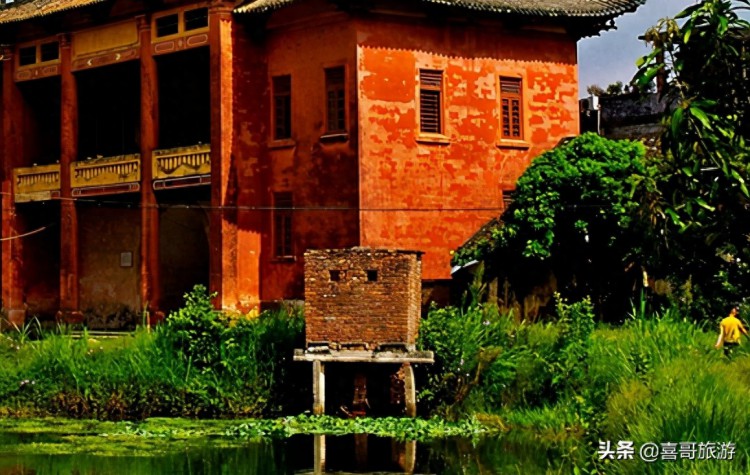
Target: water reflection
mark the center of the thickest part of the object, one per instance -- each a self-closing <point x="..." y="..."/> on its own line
<point x="297" y="455"/>
<point x="385" y="455"/>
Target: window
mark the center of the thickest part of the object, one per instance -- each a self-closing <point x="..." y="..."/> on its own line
<point x="282" y="225"/>
<point x="195" y="19"/>
<point x="430" y="92"/>
<point x="167" y="25"/>
<point x="372" y="276"/>
<point x="27" y="56"/>
<point x="508" y="197"/>
<point x="335" y="100"/>
<point x="282" y="107"/>
<point x="335" y="275"/>
<point x="50" y="51"/>
<point x="511" y="108"/>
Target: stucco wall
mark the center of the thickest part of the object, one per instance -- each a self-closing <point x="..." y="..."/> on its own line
<point x="106" y="287"/>
<point x="433" y="195"/>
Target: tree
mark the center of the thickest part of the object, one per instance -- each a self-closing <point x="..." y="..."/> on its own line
<point x="595" y="90"/>
<point x="615" y="88"/>
<point x="573" y="215"/>
<point x="699" y="201"/>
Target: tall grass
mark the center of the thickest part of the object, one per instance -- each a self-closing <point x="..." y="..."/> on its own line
<point x="199" y="363"/>
<point x="656" y="378"/>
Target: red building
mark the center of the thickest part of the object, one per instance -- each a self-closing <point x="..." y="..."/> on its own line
<point x="151" y="145"/>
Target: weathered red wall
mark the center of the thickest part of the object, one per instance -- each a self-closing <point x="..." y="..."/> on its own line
<point x="450" y="189"/>
<point x="321" y="174"/>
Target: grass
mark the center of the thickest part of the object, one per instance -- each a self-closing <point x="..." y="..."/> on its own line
<point x="199" y="364"/>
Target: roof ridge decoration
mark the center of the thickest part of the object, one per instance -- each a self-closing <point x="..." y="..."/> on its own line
<point x="541" y="8"/>
<point x="20" y="10"/>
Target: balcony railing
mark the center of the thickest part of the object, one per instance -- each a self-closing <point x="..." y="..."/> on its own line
<point x="114" y="174"/>
<point x="182" y="162"/>
<point x="36" y="183"/>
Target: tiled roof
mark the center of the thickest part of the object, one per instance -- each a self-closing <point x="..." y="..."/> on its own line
<point x="548" y="8"/>
<point x="20" y="10"/>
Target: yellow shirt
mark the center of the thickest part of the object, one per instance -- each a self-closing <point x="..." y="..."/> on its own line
<point x="731" y="327"/>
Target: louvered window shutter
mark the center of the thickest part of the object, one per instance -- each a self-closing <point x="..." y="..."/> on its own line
<point x="430" y="101"/>
<point x="511" y="108"/>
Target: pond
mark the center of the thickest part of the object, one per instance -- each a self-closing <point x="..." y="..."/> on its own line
<point x="301" y="454"/>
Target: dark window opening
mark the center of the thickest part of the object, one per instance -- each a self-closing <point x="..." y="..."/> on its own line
<point x="184" y="98"/>
<point x="27" y="56"/>
<point x="195" y="19"/>
<point x="508" y="197"/>
<point x="430" y="101"/>
<point x="41" y="125"/>
<point x="372" y="276"/>
<point x="282" y="107"/>
<point x="511" y="108"/>
<point x="167" y="25"/>
<point x="50" y="51"/>
<point x="282" y="224"/>
<point x="335" y="275"/>
<point x="335" y="100"/>
<point x="109" y="110"/>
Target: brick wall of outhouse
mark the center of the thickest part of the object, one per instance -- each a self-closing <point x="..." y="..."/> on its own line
<point x="361" y="297"/>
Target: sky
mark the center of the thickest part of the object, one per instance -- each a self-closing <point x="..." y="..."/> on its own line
<point x="611" y="57"/>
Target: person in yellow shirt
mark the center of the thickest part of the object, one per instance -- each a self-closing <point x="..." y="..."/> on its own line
<point x="729" y="333"/>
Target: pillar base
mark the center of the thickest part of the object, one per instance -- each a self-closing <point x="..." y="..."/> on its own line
<point x="17" y="317"/>
<point x="156" y="317"/>
<point x="70" y="317"/>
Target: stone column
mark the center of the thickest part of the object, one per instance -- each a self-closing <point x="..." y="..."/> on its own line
<point x="223" y="217"/>
<point x="319" y="388"/>
<point x="12" y="255"/>
<point x="150" y="281"/>
<point x="69" y="277"/>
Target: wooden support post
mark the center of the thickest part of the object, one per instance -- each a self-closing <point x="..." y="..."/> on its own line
<point x="319" y="453"/>
<point x="319" y="388"/>
<point x="410" y="391"/>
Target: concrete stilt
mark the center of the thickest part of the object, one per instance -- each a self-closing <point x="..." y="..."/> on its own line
<point x="410" y="456"/>
<point x="410" y="391"/>
<point x="361" y="454"/>
<point x="319" y="388"/>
